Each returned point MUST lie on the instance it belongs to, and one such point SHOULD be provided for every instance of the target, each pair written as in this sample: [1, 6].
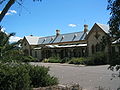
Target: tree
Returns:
[114, 22]
[8, 5]
[5, 46]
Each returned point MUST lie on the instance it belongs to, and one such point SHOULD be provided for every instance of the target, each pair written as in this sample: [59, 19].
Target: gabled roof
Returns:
[32, 40]
[116, 41]
[104, 27]
[76, 36]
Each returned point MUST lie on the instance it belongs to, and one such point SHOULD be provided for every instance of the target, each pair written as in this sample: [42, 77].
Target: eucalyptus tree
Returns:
[5, 45]
[114, 24]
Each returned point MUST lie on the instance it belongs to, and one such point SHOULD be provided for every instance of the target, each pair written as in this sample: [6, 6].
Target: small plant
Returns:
[54, 59]
[77, 60]
[64, 60]
[28, 59]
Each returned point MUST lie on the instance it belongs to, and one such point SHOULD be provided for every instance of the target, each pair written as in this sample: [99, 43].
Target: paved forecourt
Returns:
[88, 77]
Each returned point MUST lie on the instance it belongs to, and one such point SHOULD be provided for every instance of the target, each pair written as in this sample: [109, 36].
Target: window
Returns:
[119, 49]
[113, 49]
[97, 47]
[93, 50]
[25, 44]
[36, 54]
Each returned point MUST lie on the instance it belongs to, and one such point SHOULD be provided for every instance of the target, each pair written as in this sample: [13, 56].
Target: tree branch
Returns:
[6, 8]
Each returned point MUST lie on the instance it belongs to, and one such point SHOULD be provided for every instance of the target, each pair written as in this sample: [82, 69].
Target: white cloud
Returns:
[3, 29]
[10, 12]
[13, 11]
[14, 39]
[72, 25]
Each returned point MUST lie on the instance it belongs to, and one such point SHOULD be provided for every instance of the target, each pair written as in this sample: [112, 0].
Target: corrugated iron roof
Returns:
[104, 27]
[32, 40]
[76, 36]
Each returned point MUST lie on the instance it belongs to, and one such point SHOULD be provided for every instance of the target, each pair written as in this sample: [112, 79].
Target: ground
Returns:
[88, 77]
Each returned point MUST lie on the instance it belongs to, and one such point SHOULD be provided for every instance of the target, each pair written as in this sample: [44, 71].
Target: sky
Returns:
[44, 18]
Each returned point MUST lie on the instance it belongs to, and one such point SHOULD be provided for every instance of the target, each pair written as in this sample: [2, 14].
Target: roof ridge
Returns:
[102, 24]
[61, 34]
[72, 33]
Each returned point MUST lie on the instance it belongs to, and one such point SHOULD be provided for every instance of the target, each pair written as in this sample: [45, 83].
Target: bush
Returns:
[17, 55]
[27, 59]
[17, 76]
[77, 60]
[14, 77]
[40, 77]
[98, 58]
[54, 59]
[64, 60]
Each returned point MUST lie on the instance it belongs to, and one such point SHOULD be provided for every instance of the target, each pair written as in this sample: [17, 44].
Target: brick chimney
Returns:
[85, 28]
[57, 32]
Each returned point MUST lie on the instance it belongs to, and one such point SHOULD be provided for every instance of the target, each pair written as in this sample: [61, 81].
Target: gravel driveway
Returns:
[89, 77]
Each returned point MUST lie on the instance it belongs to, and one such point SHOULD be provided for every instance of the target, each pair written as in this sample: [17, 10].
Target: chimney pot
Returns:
[57, 32]
[85, 28]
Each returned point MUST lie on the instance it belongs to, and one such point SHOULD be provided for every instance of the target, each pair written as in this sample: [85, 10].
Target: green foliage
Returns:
[54, 59]
[77, 60]
[114, 22]
[17, 55]
[14, 77]
[115, 61]
[27, 59]
[65, 60]
[40, 77]
[17, 76]
[98, 58]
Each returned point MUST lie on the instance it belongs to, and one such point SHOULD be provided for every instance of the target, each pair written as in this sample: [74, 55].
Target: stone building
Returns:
[77, 44]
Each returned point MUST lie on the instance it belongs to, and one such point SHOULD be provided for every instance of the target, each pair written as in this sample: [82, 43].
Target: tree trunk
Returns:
[6, 8]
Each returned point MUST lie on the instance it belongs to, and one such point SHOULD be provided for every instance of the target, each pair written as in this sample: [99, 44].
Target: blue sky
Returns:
[43, 18]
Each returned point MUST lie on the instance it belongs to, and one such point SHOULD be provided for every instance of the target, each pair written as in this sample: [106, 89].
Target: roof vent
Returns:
[75, 35]
[62, 37]
[44, 39]
[52, 38]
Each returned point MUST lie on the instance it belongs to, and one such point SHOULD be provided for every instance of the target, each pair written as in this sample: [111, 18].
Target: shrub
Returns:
[27, 59]
[77, 60]
[40, 77]
[54, 59]
[17, 76]
[64, 60]
[98, 58]
[17, 55]
[14, 77]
